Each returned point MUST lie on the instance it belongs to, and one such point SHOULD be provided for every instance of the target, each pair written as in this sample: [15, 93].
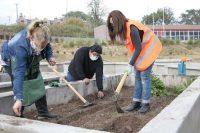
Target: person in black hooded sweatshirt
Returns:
[87, 61]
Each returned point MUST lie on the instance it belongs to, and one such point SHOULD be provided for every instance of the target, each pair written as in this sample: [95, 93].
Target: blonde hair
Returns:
[39, 31]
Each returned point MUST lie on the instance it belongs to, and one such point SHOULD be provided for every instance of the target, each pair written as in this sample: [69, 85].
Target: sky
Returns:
[132, 9]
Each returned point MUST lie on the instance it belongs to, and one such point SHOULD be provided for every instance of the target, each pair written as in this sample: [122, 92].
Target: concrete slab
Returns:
[181, 116]
[21, 125]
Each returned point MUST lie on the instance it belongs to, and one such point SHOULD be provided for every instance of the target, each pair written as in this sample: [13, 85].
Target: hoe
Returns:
[117, 91]
[86, 103]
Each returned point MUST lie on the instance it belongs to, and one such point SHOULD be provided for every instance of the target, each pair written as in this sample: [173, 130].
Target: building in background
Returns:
[177, 32]
[24, 21]
[173, 32]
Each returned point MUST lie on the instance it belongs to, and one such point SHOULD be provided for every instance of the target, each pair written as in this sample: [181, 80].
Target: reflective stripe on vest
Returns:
[146, 37]
[151, 46]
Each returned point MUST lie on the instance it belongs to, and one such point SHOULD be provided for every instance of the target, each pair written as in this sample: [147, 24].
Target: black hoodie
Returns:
[82, 67]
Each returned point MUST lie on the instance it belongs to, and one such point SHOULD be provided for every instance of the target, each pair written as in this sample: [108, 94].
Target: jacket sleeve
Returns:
[99, 75]
[48, 52]
[19, 62]
[78, 64]
[135, 37]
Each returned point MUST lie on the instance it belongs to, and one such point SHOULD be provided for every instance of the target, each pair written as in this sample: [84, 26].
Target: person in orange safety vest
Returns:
[144, 47]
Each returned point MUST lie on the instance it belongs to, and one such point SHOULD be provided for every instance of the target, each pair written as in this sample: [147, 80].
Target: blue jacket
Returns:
[20, 50]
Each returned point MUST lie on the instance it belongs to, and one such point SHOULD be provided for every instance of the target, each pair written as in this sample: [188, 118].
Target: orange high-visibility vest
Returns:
[151, 46]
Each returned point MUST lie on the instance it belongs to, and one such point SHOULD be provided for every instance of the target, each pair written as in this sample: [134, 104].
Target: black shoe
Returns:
[22, 112]
[47, 116]
[133, 106]
[145, 108]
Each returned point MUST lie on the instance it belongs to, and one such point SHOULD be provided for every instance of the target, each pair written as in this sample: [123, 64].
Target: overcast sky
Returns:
[133, 9]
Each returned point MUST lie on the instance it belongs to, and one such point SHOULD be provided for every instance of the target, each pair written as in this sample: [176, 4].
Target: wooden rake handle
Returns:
[121, 83]
[70, 86]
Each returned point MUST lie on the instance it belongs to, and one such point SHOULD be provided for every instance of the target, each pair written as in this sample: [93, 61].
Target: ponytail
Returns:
[40, 31]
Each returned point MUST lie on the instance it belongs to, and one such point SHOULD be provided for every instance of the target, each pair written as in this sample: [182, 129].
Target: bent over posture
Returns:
[22, 55]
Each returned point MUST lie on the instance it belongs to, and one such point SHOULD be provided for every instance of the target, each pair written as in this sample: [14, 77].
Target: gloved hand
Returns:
[54, 84]
[129, 69]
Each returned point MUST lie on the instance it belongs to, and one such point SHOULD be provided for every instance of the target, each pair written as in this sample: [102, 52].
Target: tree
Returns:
[77, 14]
[72, 27]
[96, 12]
[12, 28]
[191, 17]
[158, 17]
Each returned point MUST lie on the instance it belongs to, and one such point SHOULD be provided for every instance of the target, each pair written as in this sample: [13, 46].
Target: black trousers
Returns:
[41, 106]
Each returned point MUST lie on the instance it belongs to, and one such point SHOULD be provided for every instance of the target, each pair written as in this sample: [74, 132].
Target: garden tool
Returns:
[86, 103]
[117, 91]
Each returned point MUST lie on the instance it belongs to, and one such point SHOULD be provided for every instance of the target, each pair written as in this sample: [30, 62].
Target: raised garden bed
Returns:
[103, 115]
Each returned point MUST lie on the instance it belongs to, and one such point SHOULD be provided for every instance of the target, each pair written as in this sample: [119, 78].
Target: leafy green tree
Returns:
[158, 17]
[77, 14]
[72, 27]
[190, 17]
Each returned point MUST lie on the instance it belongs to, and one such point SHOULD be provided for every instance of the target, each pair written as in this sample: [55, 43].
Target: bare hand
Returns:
[17, 107]
[100, 94]
[52, 61]
[1, 68]
[86, 80]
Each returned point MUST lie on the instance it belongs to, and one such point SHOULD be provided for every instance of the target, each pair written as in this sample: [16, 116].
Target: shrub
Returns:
[196, 42]
[158, 88]
[171, 42]
[164, 41]
[103, 43]
[71, 44]
[72, 27]
[180, 88]
[190, 42]
[177, 41]
[65, 45]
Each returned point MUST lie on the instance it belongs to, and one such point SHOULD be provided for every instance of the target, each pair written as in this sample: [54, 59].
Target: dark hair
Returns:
[96, 48]
[118, 28]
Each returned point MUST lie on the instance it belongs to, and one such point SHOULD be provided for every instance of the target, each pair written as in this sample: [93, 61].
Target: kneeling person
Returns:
[87, 61]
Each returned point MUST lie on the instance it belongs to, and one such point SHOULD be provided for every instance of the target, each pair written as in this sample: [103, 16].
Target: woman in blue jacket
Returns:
[22, 55]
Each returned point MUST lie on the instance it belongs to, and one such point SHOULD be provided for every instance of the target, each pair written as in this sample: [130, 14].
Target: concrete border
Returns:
[62, 94]
[181, 116]
[55, 95]
[21, 125]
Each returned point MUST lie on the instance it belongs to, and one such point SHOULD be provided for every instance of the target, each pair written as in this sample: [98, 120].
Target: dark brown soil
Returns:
[103, 115]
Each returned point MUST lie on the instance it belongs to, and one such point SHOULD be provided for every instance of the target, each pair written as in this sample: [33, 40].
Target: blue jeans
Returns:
[142, 90]
[70, 77]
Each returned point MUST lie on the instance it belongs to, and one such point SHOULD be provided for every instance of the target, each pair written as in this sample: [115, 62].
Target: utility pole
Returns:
[163, 23]
[16, 4]
[30, 8]
[66, 7]
[153, 21]
[147, 10]
[8, 19]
